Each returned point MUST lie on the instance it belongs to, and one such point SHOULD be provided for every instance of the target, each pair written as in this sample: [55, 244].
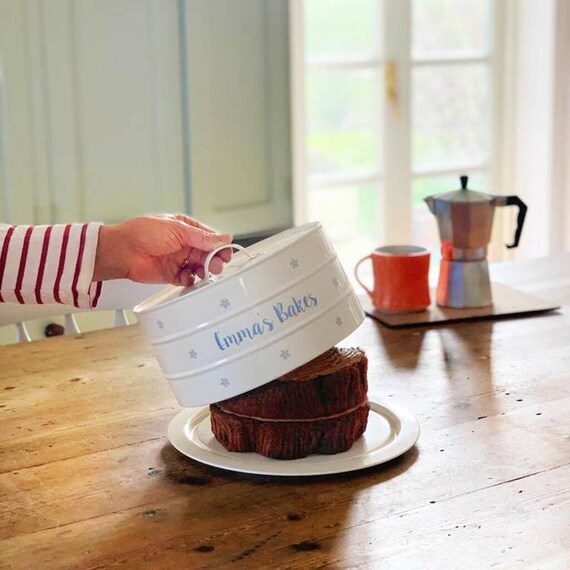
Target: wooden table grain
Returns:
[89, 480]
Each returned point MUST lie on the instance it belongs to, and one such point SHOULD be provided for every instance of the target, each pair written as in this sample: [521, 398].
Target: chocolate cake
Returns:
[320, 407]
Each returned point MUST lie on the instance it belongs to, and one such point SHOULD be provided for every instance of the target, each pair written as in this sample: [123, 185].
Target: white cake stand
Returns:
[391, 431]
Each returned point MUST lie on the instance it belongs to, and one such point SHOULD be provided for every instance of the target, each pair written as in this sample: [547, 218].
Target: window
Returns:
[395, 100]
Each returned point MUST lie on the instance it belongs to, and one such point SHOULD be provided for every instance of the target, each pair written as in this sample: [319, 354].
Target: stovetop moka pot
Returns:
[465, 221]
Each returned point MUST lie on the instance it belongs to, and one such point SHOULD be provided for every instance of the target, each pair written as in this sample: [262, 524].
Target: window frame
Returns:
[395, 207]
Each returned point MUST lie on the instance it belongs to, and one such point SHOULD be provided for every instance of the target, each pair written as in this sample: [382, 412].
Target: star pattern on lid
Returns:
[193, 353]
[335, 282]
[338, 321]
[160, 324]
[294, 263]
[285, 354]
[224, 382]
[225, 303]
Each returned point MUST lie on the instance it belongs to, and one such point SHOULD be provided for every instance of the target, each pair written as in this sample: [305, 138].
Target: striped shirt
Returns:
[49, 264]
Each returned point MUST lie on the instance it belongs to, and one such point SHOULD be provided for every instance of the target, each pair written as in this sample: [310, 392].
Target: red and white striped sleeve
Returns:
[49, 264]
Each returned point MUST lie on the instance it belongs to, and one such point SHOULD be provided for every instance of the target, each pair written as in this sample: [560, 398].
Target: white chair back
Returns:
[119, 296]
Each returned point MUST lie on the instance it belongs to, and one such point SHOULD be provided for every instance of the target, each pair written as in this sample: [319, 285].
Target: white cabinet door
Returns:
[237, 91]
[93, 105]
[113, 81]
[122, 107]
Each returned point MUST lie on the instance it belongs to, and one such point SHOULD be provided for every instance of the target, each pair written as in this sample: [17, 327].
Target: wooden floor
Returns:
[88, 479]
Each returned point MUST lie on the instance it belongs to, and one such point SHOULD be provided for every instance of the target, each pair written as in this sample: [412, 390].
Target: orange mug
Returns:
[400, 278]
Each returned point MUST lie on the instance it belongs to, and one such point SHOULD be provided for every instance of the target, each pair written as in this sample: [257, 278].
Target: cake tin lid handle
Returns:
[218, 249]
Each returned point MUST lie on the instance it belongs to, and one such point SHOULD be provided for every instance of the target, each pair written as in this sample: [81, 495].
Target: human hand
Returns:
[158, 249]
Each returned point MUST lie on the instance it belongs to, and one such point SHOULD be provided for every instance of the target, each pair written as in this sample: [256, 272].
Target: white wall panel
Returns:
[18, 126]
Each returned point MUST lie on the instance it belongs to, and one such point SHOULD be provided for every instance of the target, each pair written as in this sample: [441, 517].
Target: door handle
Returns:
[391, 85]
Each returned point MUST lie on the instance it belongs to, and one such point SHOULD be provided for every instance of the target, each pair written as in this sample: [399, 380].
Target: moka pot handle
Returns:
[514, 201]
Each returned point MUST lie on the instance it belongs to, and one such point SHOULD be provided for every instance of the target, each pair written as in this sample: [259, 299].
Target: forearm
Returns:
[111, 254]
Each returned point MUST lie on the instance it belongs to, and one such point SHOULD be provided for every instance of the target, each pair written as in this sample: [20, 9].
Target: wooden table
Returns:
[88, 479]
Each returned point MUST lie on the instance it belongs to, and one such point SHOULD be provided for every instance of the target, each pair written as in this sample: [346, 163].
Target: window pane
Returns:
[450, 27]
[450, 115]
[349, 216]
[343, 122]
[424, 224]
[341, 28]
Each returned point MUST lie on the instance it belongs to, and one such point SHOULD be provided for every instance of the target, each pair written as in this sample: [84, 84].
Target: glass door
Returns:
[343, 67]
[395, 99]
[451, 87]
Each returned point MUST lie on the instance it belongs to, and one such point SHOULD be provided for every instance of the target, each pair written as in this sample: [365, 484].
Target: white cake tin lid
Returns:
[246, 259]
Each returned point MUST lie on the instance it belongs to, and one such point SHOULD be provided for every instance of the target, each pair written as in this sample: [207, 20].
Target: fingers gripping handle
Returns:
[220, 248]
[358, 279]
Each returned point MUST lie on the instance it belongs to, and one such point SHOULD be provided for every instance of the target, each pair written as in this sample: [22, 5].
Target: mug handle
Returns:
[356, 275]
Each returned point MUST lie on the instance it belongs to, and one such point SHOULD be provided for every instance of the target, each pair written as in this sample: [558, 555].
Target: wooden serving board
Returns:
[507, 303]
